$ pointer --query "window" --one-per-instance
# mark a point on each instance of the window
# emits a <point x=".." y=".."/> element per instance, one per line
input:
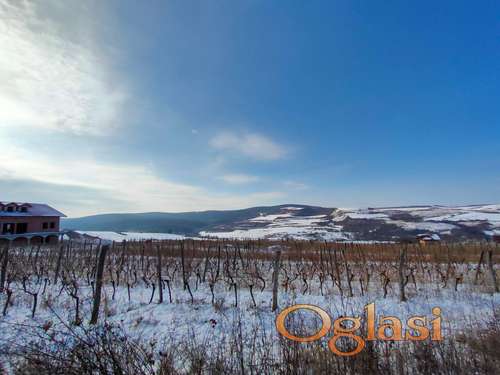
<point x="21" y="228"/>
<point x="52" y="225"/>
<point x="8" y="228"/>
<point x="10" y="209"/>
<point x="24" y="209"/>
<point x="45" y="225"/>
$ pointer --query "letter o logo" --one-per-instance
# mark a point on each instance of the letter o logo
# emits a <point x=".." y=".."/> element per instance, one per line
<point x="325" y="327"/>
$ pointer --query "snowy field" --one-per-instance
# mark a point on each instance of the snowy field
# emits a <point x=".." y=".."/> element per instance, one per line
<point x="183" y="320"/>
<point x="286" y="225"/>
<point x="226" y="297"/>
<point x="131" y="236"/>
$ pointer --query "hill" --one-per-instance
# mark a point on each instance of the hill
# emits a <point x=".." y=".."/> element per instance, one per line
<point x="308" y="222"/>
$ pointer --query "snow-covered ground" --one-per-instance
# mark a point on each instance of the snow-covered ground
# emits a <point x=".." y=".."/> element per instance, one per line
<point x="493" y="218"/>
<point x="183" y="321"/>
<point x="270" y="218"/>
<point x="280" y="232"/>
<point x="285" y="225"/>
<point x="131" y="236"/>
<point x="361" y="215"/>
<point x="424" y="226"/>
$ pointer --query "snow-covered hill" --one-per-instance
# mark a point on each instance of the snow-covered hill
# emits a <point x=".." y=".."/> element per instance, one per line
<point x="370" y="224"/>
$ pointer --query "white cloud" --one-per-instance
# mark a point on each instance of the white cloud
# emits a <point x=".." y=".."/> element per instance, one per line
<point x="255" y="146"/>
<point x="239" y="179"/>
<point x="50" y="79"/>
<point x="136" y="188"/>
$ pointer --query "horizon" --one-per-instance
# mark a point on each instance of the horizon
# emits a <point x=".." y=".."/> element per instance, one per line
<point x="285" y="204"/>
<point x="263" y="206"/>
<point x="198" y="106"/>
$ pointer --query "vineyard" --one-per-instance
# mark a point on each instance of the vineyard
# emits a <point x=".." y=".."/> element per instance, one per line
<point x="192" y="306"/>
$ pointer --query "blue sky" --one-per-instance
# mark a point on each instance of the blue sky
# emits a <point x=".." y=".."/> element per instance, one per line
<point x="189" y="105"/>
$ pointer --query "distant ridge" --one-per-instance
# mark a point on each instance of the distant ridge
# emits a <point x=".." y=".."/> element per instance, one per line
<point x="189" y="223"/>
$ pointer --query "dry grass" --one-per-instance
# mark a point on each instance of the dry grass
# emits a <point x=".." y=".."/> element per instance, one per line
<point x="106" y="350"/>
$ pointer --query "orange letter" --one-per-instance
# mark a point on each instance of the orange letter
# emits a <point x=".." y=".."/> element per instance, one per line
<point x="436" y="325"/>
<point x="339" y="332"/>
<point x="395" y="326"/>
<point x="422" y="332"/>
<point x="370" y="321"/>
<point x="325" y="327"/>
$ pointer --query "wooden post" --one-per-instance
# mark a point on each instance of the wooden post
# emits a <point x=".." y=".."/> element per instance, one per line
<point x="58" y="266"/>
<point x="402" y="279"/>
<point x="347" y="274"/>
<point x="158" y="271"/>
<point x="184" y="281"/>
<point x="492" y="270"/>
<point x="478" y="269"/>
<point x="337" y="273"/>
<point x="5" y="261"/>
<point x="276" y="270"/>
<point x="205" y="268"/>
<point x="97" y="293"/>
<point x="235" y="286"/>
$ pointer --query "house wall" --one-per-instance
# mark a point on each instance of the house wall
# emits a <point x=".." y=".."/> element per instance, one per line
<point x="35" y="223"/>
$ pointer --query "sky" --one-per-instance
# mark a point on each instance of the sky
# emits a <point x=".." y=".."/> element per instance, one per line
<point x="126" y="106"/>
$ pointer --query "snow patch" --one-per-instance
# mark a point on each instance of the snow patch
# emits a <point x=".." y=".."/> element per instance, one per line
<point x="131" y="236"/>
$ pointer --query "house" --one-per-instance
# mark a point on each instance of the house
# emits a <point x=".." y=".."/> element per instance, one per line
<point x="426" y="238"/>
<point x="30" y="222"/>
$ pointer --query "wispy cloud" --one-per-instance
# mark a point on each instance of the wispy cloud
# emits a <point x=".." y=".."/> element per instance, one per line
<point x="49" y="79"/>
<point x="108" y="186"/>
<point x="255" y="146"/>
<point x="239" y="179"/>
<point x="295" y="185"/>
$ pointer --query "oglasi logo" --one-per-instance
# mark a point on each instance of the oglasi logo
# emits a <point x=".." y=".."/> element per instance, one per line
<point x="417" y="329"/>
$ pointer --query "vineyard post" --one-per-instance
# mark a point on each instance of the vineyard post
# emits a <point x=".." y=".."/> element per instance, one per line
<point x="5" y="260"/>
<point x="97" y="293"/>
<point x="402" y="280"/>
<point x="160" y="289"/>
<point x="205" y="268"/>
<point x="348" y="275"/>
<point x="58" y="265"/>
<point x="337" y="273"/>
<point x="184" y="281"/>
<point x="478" y="269"/>
<point x="276" y="269"/>
<point x="492" y="270"/>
